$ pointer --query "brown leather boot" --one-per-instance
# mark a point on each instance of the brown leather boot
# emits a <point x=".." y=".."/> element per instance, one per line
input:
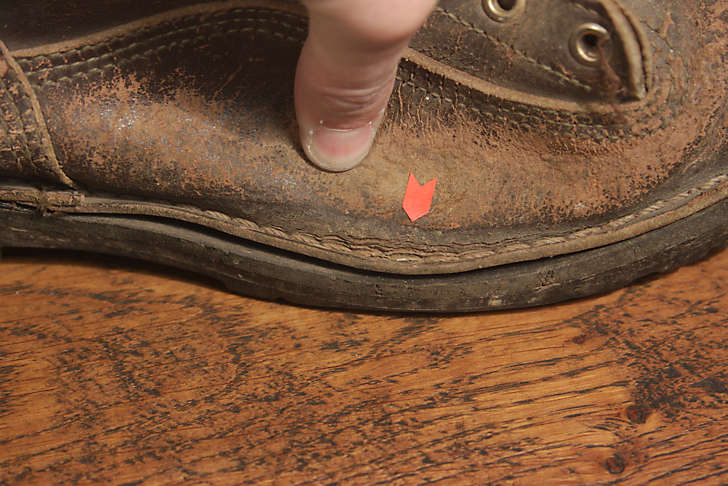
<point x="578" y="145"/>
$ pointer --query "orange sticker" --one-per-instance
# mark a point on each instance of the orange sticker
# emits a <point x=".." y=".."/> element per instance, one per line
<point x="418" y="199"/>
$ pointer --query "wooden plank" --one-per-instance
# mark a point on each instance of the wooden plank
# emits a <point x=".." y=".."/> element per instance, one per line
<point x="123" y="373"/>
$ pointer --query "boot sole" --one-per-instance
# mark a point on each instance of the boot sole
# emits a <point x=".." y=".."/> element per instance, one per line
<point x="261" y="271"/>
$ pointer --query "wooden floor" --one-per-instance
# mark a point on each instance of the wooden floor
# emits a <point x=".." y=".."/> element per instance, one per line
<point x="115" y="372"/>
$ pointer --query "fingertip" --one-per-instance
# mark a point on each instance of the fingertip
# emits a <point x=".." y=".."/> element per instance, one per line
<point x="336" y="150"/>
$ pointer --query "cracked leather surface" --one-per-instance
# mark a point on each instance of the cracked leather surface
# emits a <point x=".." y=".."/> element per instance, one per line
<point x="193" y="109"/>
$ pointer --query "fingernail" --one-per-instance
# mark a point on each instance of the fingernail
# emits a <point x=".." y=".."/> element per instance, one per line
<point x="337" y="150"/>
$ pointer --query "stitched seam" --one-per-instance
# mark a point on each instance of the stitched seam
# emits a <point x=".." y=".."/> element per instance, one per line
<point x="624" y="131"/>
<point x="324" y="242"/>
<point x="385" y="249"/>
<point x="25" y="144"/>
<point x="148" y="53"/>
<point x="525" y="56"/>
<point x="171" y="33"/>
<point x="39" y="146"/>
<point x="12" y="125"/>
<point x="491" y="115"/>
<point x="103" y="69"/>
<point x="649" y="110"/>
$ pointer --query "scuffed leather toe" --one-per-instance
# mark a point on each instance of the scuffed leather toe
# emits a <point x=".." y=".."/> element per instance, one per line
<point x="553" y="127"/>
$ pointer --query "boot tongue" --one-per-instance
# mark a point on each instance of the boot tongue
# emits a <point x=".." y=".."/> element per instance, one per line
<point x="580" y="51"/>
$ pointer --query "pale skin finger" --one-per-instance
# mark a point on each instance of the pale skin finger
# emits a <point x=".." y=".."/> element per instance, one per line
<point x="346" y="73"/>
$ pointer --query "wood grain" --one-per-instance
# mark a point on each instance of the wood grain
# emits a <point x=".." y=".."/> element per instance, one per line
<point x="120" y="373"/>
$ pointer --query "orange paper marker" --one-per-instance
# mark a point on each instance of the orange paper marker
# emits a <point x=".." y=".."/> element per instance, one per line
<point x="418" y="199"/>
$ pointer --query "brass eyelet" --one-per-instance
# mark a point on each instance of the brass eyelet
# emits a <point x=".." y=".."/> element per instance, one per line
<point x="503" y="10"/>
<point x="585" y="43"/>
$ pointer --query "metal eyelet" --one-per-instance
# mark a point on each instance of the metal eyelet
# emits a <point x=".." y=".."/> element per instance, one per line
<point x="585" y="43"/>
<point x="503" y="10"/>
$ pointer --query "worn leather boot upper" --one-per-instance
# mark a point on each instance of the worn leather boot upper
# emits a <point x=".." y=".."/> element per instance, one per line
<point x="552" y="126"/>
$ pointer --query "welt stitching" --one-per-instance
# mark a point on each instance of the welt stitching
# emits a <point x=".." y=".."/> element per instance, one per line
<point x="492" y="38"/>
<point x="167" y="34"/>
<point x="436" y="253"/>
<point x="445" y="255"/>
